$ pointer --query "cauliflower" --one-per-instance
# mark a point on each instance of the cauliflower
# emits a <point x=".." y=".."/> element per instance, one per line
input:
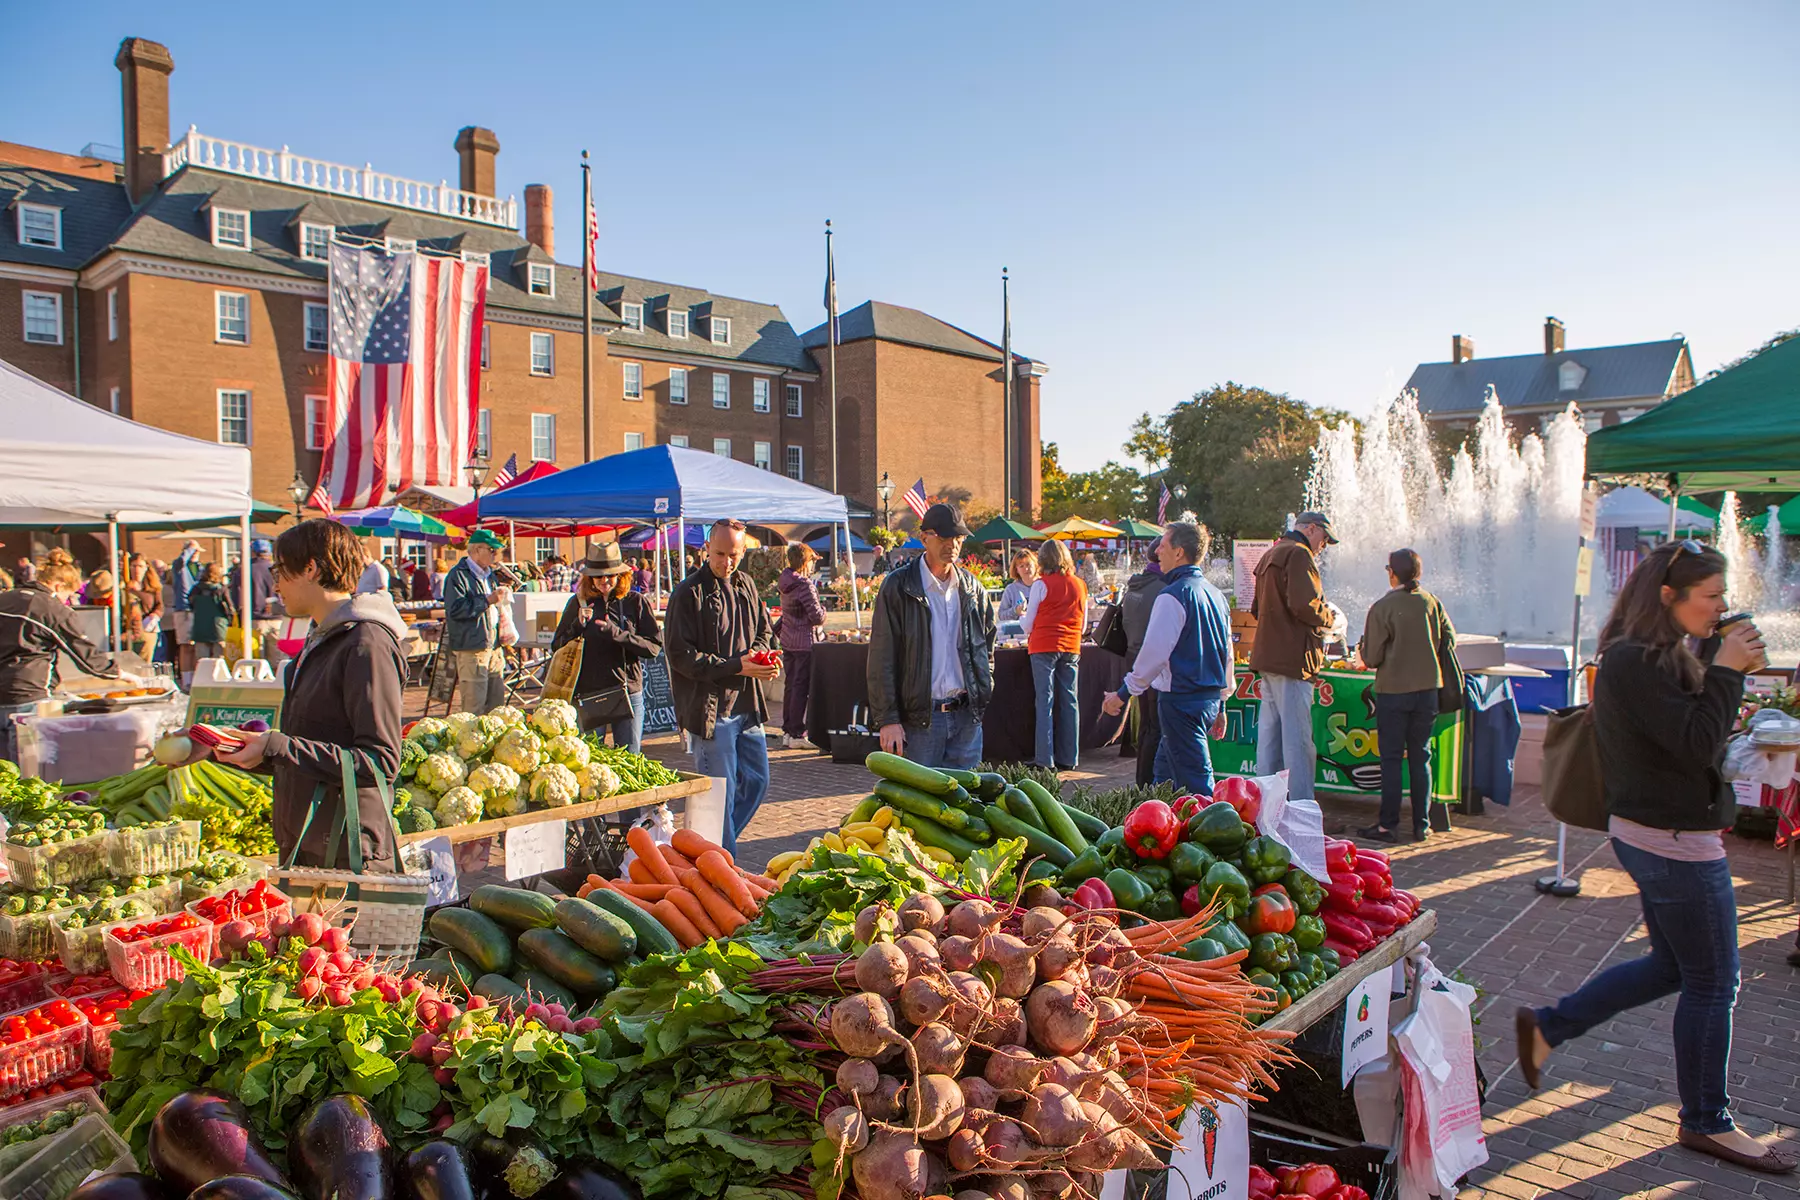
<point x="555" y="717"/>
<point x="456" y="723"/>
<point x="411" y="755"/>
<point x="479" y="738"/>
<point x="506" y="804"/>
<point x="458" y="806"/>
<point x="597" y="780"/>
<point x="440" y="772"/>
<point x="509" y="716"/>
<point x="493" y="780"/>
<point x="567" y="749"/>
<point x="415" y="820"/>
<point x="554" y="786"/>
<point x="429" y="733"/>
<point x="520" y="749"/>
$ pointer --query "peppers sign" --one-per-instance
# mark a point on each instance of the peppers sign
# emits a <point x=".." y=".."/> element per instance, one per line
<point x="1213" y="1160"/>
<point x="1365" y="1023"/>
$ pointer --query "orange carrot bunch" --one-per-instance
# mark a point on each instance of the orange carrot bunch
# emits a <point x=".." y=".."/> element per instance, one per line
<point x="693" y="886"/>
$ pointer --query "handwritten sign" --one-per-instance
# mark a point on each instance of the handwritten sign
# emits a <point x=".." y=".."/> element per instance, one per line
<point x="659" y="697"/>
<point x="1246" y="553"/>
<point x="536" y="848"/>
<point x="1213" y="1160"/>
<point x="1366" y="1024"/>
<point x="437" y="856"/>
<point x="1584" y="571"/>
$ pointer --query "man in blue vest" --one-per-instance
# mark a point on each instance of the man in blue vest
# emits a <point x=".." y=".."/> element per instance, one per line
<point x="1185" y="658"/>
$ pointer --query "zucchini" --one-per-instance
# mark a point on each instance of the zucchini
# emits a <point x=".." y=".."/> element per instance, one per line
<point x="541" y="987"/>
<point x="912" y="774"/>
<point x="864" y="810"/>
<point x="498" y="989"/>
<point x="1091" y="826"/>
<point x="461" y="965"/>
<point x="1037" y="842"/>
<point x="652" y="937"/>
<point x="518" y="909"/>
<point x="991" y="785"/>
<point x="927" y="832"/>
<point x="966" y="779"/>
<point x="932" y="808"/>
<point x="555" y="954"/>
<point x="962" y="798"/>
<point x="477" y="936"/>
<point x="1019" y="805"/>
<point x="599" y="932"/>
<point x="1052" y="816"/>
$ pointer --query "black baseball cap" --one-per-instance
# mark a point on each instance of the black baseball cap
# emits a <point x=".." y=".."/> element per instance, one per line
<point x="944" y="521"/>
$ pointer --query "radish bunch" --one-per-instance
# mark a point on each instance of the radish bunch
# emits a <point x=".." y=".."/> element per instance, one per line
<point x="327" y="968"/>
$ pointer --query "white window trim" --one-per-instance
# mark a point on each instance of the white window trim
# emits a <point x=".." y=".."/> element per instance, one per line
<point x="679" y="439"/>
<point x="311" y="406"/>
<point x="249" y="240"/>
<point x="112" y="397"/>
<point x="794" y="462"/>
<point x="549" y="277"/>
<point x="535" y="456"/>
<point x="762" y="454"/>
<point x="718" y="325"/>
<point x="219" y="318"/>
<point x="55" y="215"/>
<point x="632" y="391"/>
<point x="477" y="258"/>
<point x="685" y="323"/>
<point x="762" y="393"/>
<point x="484" y="432"/>
<point x="307" y="227"/>
<point x="112" y="314"/>
<point x="396" y="245"/>
<point x="794" y="390"/>
<point x="630" y="438"/>
<point x="25" y="300"/>
<point x="725" y="442"/>
<point x="686" y="385"/>
<point x="551" y="370"/>
<point x="718" y="375"/>
<point x="219" y="414"/>
<point x="632" y="316"/>
<point x="306" y="327"/>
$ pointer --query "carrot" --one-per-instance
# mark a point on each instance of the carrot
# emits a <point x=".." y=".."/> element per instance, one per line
<point x="678" y="862"/>
<point x="647" y="891"/>
<point x="646" y="905"/>
<point x="693" y="845"/>
<point x="695" y="912"/>
<point x="717" y="906"/>
<point x="644" y="846"/>
<point x="593" y="882"/>
<point x="641" y="873"/>
<point x="678" y="924"/>
<point x="757" y="881"/>
<point x="719" y="872"/>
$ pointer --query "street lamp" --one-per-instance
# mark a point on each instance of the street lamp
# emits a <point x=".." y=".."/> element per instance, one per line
<point x="885" y="489"/>
<point x="298" y="490"/>
<point x="477" y="471"/>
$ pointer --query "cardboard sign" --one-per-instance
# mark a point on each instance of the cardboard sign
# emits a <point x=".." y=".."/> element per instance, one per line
<point x="1366" y="1023"/>
<point x="536" y="848"/>
<point x="1245" y="554"/>
<point x="1584" y="571"/>
<point x="1213" y="1160"/>
<point x="1749" y="792"/>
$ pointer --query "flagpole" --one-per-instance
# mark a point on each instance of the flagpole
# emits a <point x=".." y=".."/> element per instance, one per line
<point x="587" y="312"/>
<point x="1006" y="396"/>
<point x="831" y="340"/>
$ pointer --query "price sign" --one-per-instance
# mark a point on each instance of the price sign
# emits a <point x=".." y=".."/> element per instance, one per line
<point x="536" y="848"/>
<point x="1590" y="512"/>
<point x="1584" y="571"/>
<point x="1246" y="553"/>
<point x="1213" y="1160"/>
<point x="1366" y="1024"/>
<point x="439" y="857"/>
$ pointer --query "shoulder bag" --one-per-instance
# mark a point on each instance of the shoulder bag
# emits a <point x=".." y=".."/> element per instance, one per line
<point x="1574" y="790"/>
<point x="1452" y="693"/>
<point x="1109" y="630"/>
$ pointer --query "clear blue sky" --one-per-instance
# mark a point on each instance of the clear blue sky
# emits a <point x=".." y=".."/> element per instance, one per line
<point x="1186" y="193"/>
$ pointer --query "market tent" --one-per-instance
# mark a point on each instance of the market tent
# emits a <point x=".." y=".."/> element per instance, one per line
<point x="465" y="515"/>
<point x="217" y="525"/>
<point x="1738" y="430"/>
<point x="392" y="520"/>
<point x="1000" y="529"/>
<point x="857" y="545"/>
<point x="1078" y="527"/>
<point x="1131" y="527"/>
<point x="1788" y="515"/>
<point x="1635" y="508"/>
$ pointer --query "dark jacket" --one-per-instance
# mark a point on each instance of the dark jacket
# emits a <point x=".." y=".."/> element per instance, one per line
<point x="34" y="625"/>
<point x="710" y="625"/>
<point x="1291" y="617"/>
<point x="470" y="622"/>
<point x="617" y="634"/>
<point x="1141" y="591"/>
<point x="262" y="587"/>
<point x="343" y="690"/>
<point x="800" y="611"/>
<point x="899" y="673"/>
<point x="213" y="611"/>
<point x="1661" y="745"/>
<point x="1404" y="637"/>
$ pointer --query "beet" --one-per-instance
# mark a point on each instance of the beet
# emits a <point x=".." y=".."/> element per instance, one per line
<point x="200" y="1136"/>
<point x="589" y="1180"/>
<point x="437" y="1171"/>
<point x="339" y="1152"/>
<point x="240" y="1187"/>
<point x="122" y="1185"/>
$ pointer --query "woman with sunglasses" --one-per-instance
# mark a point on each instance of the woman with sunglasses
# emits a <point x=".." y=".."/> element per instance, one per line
<point x="1664" y="703"/>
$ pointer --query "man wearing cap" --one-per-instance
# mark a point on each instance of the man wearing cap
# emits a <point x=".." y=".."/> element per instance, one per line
<point x="262" y="599"/>
<point x="931" y="652"/>
<point x="472" y="603"/>
<point x="1289" y="651"/>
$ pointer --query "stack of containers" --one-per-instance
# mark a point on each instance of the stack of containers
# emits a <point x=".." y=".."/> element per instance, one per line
<point x="49" y="1146"/>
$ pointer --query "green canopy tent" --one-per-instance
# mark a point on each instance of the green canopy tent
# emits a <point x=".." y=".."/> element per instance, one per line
<point x="1138" y="530"/>
<point x="260" y="514"/>
<point x="1002" y="530"/>
<point x="1788" y="514"/>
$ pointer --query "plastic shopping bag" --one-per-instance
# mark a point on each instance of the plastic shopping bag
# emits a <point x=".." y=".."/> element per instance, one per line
<point x="1441" y="1140"/>
<point x="1297" y="824"/>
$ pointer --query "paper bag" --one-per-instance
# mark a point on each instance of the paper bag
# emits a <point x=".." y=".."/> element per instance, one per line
<point x="1442" y="1139"/>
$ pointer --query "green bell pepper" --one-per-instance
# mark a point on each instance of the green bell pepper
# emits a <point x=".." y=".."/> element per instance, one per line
<point x="1202" y="949"/>
<point x="1042" y="871"/>
<point x="1265" y="860"/>
<point x="1156" y="875"/>
<point x="1162" y="906"/>
<point x="1228" y="885"/>
<point x="1314" y="966"/>
<point x="1089" y="864"/>
<point x="1329" y="957"/>
<point x="1228" y="935"/>
<point x="1111" y="846"/>
<point x="1129" y="892"/>
<point x="1218" y="828"/>
<point x="1262" y="979"/>
<point x="1189" y="863"/>
<point x="1305" y="891"/>
<point x="1309" y="931"/>
<point x="1298" y="983"/>
<point x="1273" y="952"/>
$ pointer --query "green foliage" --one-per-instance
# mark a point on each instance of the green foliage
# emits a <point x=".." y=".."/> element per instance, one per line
<point x="815" y="910"/>
<point x="883" y="538"/>
<point x="1110" y="493"/>
<point x="524" y="1076"/>
<point x="1149" y="441"/>
<point x="1111" y="806"/>
<point x="1740" y="360"/>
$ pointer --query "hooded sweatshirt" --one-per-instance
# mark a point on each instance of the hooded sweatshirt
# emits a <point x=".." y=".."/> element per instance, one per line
<point x="800" y="611"/>
<point x="343" y="691"/>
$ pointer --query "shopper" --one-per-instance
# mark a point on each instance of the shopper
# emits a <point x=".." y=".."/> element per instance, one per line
<point x="931" y="651"/>
<point x="1022" y="572"/>
<point x="618" y="633"/>
<point x="262" y="599"/>
<point x="801" y="616"/>
<point x="472" y="600"/>
<point x="35" y="623"/>
<point x="1405" y="633"/>
<point x="343" y="693"/>
<point x="213" y="612"/>
<point x="1186" y="655"/>
<point x="184" y="573"/>
<point x="715" y="622"/>
<point x="559" y="576"/>
<point x="375" y="577"/>
<point x="1662" y="714"/>
<point x="1289" y="651"/>
<point x="1055" y="616"/>
<point x="146" y="587"/>
<point x="1141" y="591"/>
<point x="423" y="591"/>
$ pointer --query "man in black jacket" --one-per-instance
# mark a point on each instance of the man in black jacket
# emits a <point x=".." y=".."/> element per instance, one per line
<point x="714" y="623"/>
<point x="35" y="624"/>
<point x="1140" y="594"/>
<point x="931" y="652"/>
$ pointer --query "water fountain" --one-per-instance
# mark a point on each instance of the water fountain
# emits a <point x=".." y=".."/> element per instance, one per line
<point x="1757" y="579"/>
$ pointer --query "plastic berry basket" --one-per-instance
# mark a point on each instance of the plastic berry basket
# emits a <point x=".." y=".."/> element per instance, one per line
<point x="99" y="1049"/>
<point x="156" y="849"/>
<point x="83" y="950"/>
<point x="62" y="863"/>
<point x="28" y="1111"/>
<point x="29" y="936"/>
<point x="88" y="1147"/>
<point x="250" y="871"/>
<point x="43" y="1059"/>
<point x="148" y="964"/>
<point x="260" y="920"/>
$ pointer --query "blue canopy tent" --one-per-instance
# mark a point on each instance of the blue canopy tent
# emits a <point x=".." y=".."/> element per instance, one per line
<point x="857" y="545"/>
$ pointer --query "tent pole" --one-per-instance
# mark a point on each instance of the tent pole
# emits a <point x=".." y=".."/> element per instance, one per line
<point x="244" y="579"/>
<point x="855" y="599"/>
<point x="112" y="551"/>
<point x="1674" y="507"/>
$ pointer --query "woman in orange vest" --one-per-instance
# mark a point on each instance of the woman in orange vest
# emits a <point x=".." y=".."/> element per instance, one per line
<point x="1055" y="616"/>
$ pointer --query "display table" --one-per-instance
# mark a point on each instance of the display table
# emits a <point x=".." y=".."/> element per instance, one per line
<point x="690" y="785"/>
<point x="1327" y="998"/>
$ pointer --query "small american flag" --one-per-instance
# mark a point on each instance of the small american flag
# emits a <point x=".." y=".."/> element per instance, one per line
<point x="320" y="500"/>
<point x="916" y="499"/>
<point x="1162" y="506"/>
<point x="508" y="473"/>
<point x="593" y="236"/>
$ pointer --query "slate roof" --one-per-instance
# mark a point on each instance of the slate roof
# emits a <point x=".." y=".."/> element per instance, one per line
<point x="759" y="332"/>
<point x="92" y="212"/>
<point x="909" y="327"/>
<point x="1640" y="371"/>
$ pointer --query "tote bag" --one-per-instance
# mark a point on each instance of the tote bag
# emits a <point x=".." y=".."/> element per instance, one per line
<point x="1574" y="791"/>
<point x="1452" y="693"/>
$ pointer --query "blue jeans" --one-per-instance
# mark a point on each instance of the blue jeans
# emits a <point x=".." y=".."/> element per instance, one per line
<point x="1058" y="709"/>
<point x="1690" y="914"/>
<point x="1184" y="754"/>
<point x="1284" y="733"/>
<point x="953" y="740"/>
<point x="1403" y="723"/>
<point x="738" y="753"/>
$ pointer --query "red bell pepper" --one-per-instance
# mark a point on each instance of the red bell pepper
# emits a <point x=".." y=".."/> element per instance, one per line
<point x="1411" y="902"/>
<point x="1346" y="928"/>
<point x="1093" y="893"/>
<point x="1366" y="857"/>
<point x="1309" y="1179"/>
<point x="1271" y="912"/>
<point x="1262" y="1184"/>
<point x="1345" y="1191"/>
<point x="1187" y="806"/>
<point x="1346" y="955"/>
<point x="1340" y="856"/>
<point x="1241" y="793"/>
<point x="1192" y="901"/>
<point x="1152" y="829"/>
<point x="1344" y="893"/>
<point x="1376" y="886"/>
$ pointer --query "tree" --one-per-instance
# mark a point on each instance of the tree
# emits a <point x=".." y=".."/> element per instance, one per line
<point x="1740" y="360"/>
<point x="1109" y="493"/>
<point x="1149" y="441"/>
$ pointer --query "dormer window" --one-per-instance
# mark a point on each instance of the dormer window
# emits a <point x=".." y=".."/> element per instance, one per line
<point x="678" y="324"/>
<point x="540" y="279"/>
<point x="475" y="258"/>
<point x="397" y="245"/>
<point x="40" y="225"/>
<point x="231" y="228"/>
<point x="720" y="328"/>
<point x="315" y="241"/>
<point x="1569" y="376"/>
<point x="632" y="316"/>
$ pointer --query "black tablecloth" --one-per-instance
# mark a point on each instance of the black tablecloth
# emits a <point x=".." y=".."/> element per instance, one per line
<point x="1008" y="731"/>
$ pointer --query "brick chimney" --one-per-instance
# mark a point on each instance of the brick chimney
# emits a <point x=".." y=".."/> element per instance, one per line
<point x="144" y="68"/>
<point x="476" y="147"/>
<point x="540" y="224"/>
<point x="1553" y="336"/>
<point x="1462" y="348"/>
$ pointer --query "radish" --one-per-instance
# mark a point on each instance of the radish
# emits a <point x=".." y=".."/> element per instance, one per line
<point x="309" y="928"/>
<point x="444" y="1076"/>
<point x="442" y="1123"/>
<point x="343" y="960"/>
<point x="312" y="961"/>
<point x="863" y="1026"/>
<point x="279" y="928"/>
<point x="858" y="1076"/>
<point x="873" y="922"/>
<point x="958" y="953"/>
<point x="430" y="1013"/>
<point x="1053" y="1116"/>
<point x="235" y="937"/>
<point x="390" y="990"/>
<point x="421" y="1046"/>
<point x="335" y="939"/>
<point x="411" y="985"/>
<point x="477" y="1002"/>
<point x="922" y="1000"/>
<point x="937" y="1106"/>
<point x="557" y="1010"/>
<point x="587" y="1024"/>
<point x="895" y="1167"/>
<point x="921" y="954"/>
<point x="337" y="994"/>
<point x="536" y="1012"/>
<point x="363" y="979"/>
<point x="920" y="911"/>
<point x="1061" y="1017"/>
<point x="939" y="1051"/>
<point x="882" y="969"/>
<point x="310" y="986"/>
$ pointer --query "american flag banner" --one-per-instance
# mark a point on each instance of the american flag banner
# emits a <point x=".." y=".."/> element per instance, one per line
<point x="507" y="473"/>
<point x="321" y="501"/>
<point x="593" y="247"/>
<point x="404" y="372"/>
<point x="1162" y="506"/>
<point x="916" y="499"/>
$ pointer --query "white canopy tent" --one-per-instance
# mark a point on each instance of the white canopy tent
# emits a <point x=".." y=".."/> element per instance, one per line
<point x="1635" y="508"/>
<point x="65" y="462"/>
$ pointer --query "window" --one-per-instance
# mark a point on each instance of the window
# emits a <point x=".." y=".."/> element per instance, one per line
<point x="234" y="317"/>
<point x="113" y="400"/>
<point x="721" y="330"/>
<point x="1592" y="422"/>
<point x="543" y="354"/>
<point x="486" y="360"/>
<point x="318" y="327"/>
<point x="677" y="324"/>
<point x="678" y="385"/>
<point x="540" y="279"/>
<point x="419" y="555"/>
<point x="634" y="381"/>
<point x="484" y="433"/>
<point x="231" y="228"/>
<point x="759" y="455"/>
<point x="43" y="318"/>
<point x="112" y="314"/>
<point x="793" y="399"/>
<point x="678" y="439"/>
<point x="1631" y="414"/>
<point x="796" y="463"/>
<point x="632" y="315"/>
<point x="759" y="395"/>
<point x="315" y="241"/>
<point x="722" y="447"/>
<point x="721" y="390"/>
<point x="397" y="244"/>
<point x="543" y="437"/>
<point x="1569" y="376"/>
<point x="40" y="225"/>
<point x="476" y="258"/>
<point x="315" y="422"/>
<point x="546" y="550"/>
<point x="234" y="417"/>
<point x="634" y="441"/>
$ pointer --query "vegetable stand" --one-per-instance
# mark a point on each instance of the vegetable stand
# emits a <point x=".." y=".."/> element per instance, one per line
<point x="690" y="785"/>
<point x="1321" y="1003"/>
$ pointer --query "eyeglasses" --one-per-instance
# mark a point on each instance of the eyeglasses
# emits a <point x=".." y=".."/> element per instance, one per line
<point x="729" y="523"/>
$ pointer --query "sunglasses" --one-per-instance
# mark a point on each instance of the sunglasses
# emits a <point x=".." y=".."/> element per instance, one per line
<point x="1684" y="546"/>
<point x="729" y="523"/>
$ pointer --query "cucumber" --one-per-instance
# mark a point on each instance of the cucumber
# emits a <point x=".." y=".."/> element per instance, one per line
<point x="1091" y="826"/>
<point x="477" y="936"/>
<point x="991" y="784"/>
<point x="932" y="808"/>
<point x="1052" y="816"/>
<point x="436" y="971"/>
<point x="912" y="774"/>
<point x="962" y="798"/>
<point x="555" y="954"/>
<point x="541" y="987"/>
<point x="966" y="779"/>
<point x="1019" y="805"/>
<point x="599" y="932"/>
<point x="927" y="832"/>
<point x="518" y="909"/>
<point x="1037" y="842"/>
<point x="461" y="965"/>
<point x="864" y="810"/>
<point x="652" y="937"/>
<point x="498" y="989"/>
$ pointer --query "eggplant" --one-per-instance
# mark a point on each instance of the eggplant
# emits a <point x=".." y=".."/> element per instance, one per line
<point x="339" y="1152"/>
<point x="240" y="1187"/>
<point x="435" y="1171"/>
<point x="122" y="1185"/>
<point x="588" y="1180"/>
<point x="201" y="1135"/>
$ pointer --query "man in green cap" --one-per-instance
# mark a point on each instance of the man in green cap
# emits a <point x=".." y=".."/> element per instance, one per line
<point x="472" y="603"/>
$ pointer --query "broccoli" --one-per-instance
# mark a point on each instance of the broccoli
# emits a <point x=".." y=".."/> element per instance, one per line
<point x="555" y="717"/>
<point x="520" y="749"/>
<point x="411" y="755"/>
<point x="415" y="820"/>
<point x="567" y="749"/>
<point x="458" y="806"/>
<point x="402" y="800"/>
<point x="554" y="786"/>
